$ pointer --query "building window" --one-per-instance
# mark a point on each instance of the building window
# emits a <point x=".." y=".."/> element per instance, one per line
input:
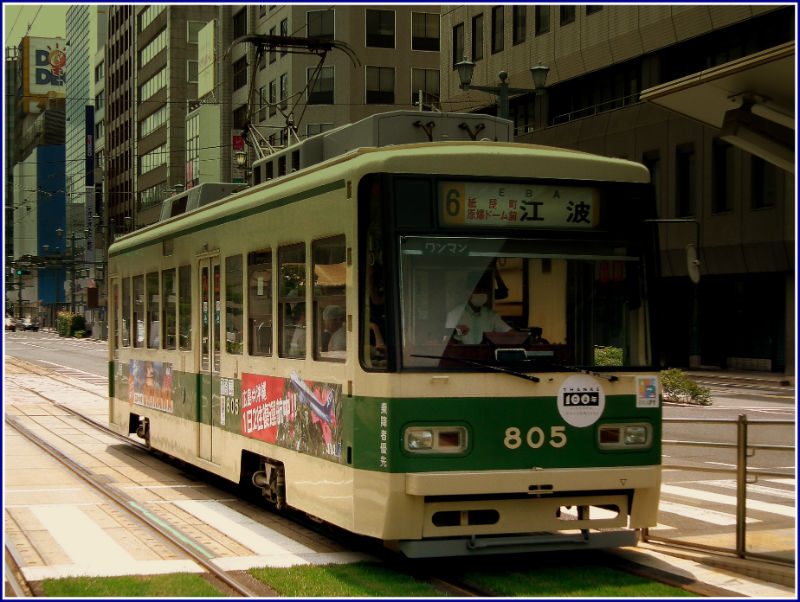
<point x="312" y="129"/>
<point x="458" y="44"/>
<point x="320" y="92"/>
<point x="240" y="73"/>
<point x="100" y="100"/>
<point x="764" y="178"/>
<point x="153" y="159"/>
<point x="152" y="49"/>
<point x="722" y="174"/>
<point x="151" y="196"/>
<point x="262" y="103"/>
<point x="191" y="71"/>
<point x="148" y="15"/>
<point x="99" y="72"/>
<point x="380" y="28"/>
<point x="193" y="29"/>
<point x="426" y="80"/>
<point x="477" y="37"/>
<point x="319" y="24"/>
<point x="684" y="180"/>
<point x="283" y="89"/>
<point x="593" y="8"/>
<point x="567" y="14"/>
<point x="497" y="29"/>
<point x="284" y="32"/>
<point x="380" y="85"/>
<point x="541" y="17"/>
<point x="193" y="150"/>
<point x="273" y="56"/>
<point x="240" y="24"/>
<point x="153" y="85"/>
<point x="425" y="31"/>
<point x="518" y="17"/>
<point x="240" y="117"/>
<point x="152" y="122"/>
<point x="273" y="97"/>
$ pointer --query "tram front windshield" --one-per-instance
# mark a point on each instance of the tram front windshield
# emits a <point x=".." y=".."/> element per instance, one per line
<point x="527" y="304"/>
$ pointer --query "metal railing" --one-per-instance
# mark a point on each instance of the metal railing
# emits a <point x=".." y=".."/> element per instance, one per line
<point x="744" y="450"/>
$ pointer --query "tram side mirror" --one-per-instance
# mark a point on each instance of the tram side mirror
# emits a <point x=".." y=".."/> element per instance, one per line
<point x="692" y="263"/>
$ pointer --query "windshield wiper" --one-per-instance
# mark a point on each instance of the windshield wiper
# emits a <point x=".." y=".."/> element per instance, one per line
<point x="480" y="365"/>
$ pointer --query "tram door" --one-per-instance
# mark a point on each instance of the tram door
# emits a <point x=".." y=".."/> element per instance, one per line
<point x="209" y="279"/>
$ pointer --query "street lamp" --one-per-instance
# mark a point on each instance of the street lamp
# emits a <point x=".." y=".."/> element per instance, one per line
<point x="539" y="73"/>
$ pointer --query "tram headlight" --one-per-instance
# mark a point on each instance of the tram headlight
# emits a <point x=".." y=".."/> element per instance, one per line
<point x="436" y="439"/>
<point x="624" y="436"/>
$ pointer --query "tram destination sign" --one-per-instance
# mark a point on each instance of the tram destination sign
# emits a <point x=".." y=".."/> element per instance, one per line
<point x="499" y="205"/>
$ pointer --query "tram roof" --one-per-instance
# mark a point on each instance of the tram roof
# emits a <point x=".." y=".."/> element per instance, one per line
<point x="518" y="160"/>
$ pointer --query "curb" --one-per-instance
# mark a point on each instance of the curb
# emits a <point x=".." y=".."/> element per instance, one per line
<point x="770" y="572"/>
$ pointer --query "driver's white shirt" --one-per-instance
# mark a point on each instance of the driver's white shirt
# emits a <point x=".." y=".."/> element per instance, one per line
<point x="485" y="320"/>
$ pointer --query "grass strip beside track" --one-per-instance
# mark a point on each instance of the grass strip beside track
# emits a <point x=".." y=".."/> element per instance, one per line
<point x="531" y="577"/>
<point x="343" y="580"/>
<point x="571" y="582"/>
<point x="181" y="585"/>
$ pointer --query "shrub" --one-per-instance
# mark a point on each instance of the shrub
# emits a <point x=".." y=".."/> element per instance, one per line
<point x="70" y="324"/>
<point x="679" y="388"/>
<point x="607" y="356"/>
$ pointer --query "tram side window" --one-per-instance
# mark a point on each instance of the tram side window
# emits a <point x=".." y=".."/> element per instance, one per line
<point x="153" y="320"/>
<point x="185" y="307"/>
<point x="292" y="300"/>
<point x="169" y="298"/>
<point x="138" y="311"/>
<point x="125" y="332"/>
<point x="330" y="302"/>
<point x="259" y="302"/>
<point x="115" y="316"/>
<point x="234" y="305"/>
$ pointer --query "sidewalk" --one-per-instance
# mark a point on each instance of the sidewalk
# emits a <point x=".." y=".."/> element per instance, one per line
<point x="713" y="575"/>
<point x="766" y="381"/>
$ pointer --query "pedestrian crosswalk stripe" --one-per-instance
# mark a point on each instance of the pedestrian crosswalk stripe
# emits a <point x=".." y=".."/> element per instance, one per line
<point x="730" y="500"/>
<point x="752" y="488"/>
<point x="787" y="481"/>
<point x="702" y="514"/>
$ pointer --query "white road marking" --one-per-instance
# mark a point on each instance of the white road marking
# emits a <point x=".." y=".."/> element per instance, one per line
<point x="93" y="551"/>
<point x="730" y="500"/>
<point x="271" y="548"/>
<point x="752" y="488"/>
<point x="713" y="517"/>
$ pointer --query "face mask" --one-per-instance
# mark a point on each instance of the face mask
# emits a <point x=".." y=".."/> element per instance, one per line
<point x="478" y="299"/>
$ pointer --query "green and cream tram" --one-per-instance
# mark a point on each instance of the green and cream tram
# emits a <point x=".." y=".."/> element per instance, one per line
<point x="319" y="336"/>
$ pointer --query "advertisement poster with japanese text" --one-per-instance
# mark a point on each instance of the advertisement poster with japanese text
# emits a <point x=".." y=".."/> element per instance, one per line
<point x="150" y="384"/>
<point x="293" y="413"/>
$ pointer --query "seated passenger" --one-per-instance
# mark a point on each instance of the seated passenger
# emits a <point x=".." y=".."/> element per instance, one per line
<point x="470" y="321"/>
<point x="333" y="338"/>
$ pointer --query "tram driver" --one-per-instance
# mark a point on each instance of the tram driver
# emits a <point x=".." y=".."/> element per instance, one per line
<point x="471" y="320"/>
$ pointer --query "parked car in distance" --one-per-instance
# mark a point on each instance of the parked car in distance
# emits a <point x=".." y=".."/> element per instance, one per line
<point x="11" y="323"/>
<point x="30" y="324"/>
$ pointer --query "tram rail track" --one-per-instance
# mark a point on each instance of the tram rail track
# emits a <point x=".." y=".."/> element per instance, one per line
<point x="132" y="508"/>
<point x="447" y="583"/>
